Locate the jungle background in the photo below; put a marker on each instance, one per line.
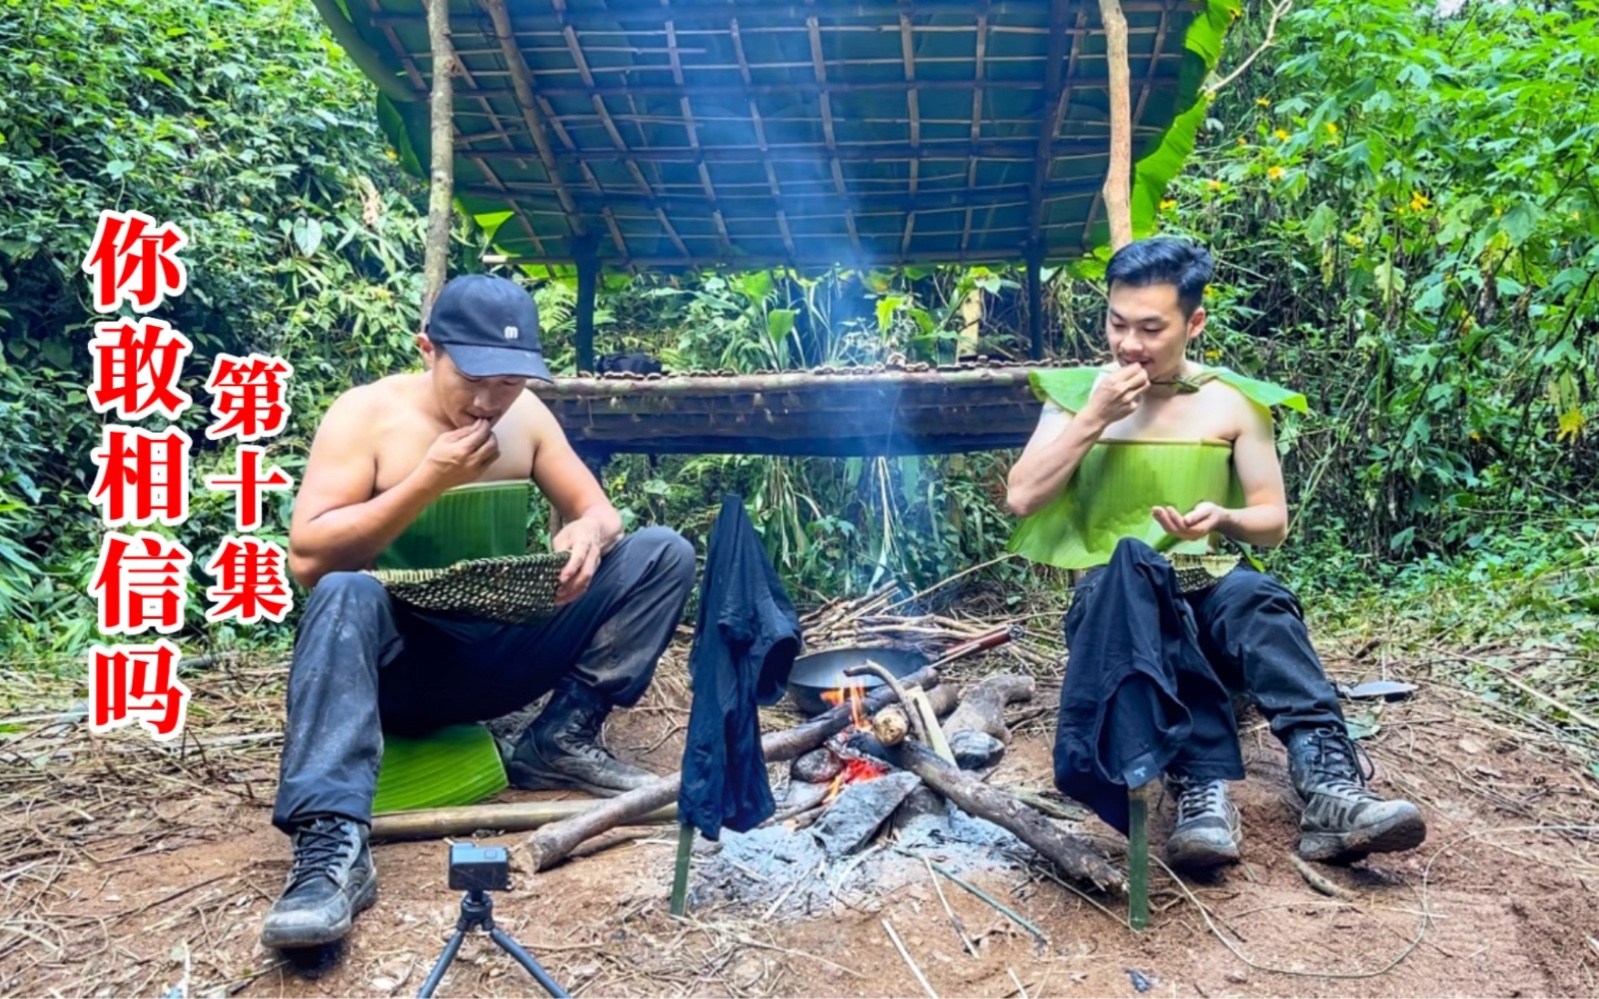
(1401, 199)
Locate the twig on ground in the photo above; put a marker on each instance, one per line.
(955, 921)
(1004, 910)
(900, 946)
(1319, 881)
(1020, 988)
(1204, 912)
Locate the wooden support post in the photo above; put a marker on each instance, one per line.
(1035, 300)
(1138, 799)
(685, 852)
(1119, 175)
(588, 279)
(441, 175)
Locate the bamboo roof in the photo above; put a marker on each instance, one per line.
(691, 133)
(826, 412)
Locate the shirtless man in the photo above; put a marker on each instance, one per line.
(385, 455)
(1248, 626)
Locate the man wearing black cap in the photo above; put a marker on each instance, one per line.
(422, 469)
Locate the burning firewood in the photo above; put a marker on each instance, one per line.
(556, 841)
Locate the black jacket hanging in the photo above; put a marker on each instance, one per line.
(1139, 696)
(745, 640)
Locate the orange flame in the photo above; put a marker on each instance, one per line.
(857, 704)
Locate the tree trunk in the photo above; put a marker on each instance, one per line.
(441, 177)
(1119, 175)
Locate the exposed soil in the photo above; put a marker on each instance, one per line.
(131, 870)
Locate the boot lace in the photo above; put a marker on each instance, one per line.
(319, 847)
(1197, 799)
(1341, 764)
(582, 736)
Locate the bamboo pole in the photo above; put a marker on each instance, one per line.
(436, 823)
(1138, 855)
(441, 174)
(1118, 177)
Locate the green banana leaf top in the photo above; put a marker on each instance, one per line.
(479, 520)
(1110, 494)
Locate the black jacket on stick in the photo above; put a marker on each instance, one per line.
(745, 641)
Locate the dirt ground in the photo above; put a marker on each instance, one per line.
(127, 869)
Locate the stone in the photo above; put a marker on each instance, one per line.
(816, 767)
(853, 818)
(976, 750)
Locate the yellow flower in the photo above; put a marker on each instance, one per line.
(1213, 185)
(1167, 205)
(1282, 136)
(1275, 173)
(1498, 212)
(1212, 355)
(1241, 141)
(1332, 129)
(1418, 201)
(1262, 102)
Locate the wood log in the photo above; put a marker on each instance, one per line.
(554, 842)
(982, 707)
(890, 725)
(436, 823)
(1072, 854)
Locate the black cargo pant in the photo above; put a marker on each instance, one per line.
(1251, 629)
(364, 664)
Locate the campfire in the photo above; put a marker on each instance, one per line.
(903, 765)
(853, 768)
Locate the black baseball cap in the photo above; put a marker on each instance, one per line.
(490, 328)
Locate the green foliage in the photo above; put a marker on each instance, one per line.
(1406, 216)
(238, 122)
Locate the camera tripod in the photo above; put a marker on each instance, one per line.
(477, 911)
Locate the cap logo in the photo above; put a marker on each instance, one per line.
(511, 332)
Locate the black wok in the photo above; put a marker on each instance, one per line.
(819, 672)
(815, 674)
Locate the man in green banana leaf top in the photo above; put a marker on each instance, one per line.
(422, 471)
(1156, 459)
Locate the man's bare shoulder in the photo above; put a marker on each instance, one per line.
(1240, 414)
(371, 401)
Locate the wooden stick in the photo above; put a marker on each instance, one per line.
(1071, 854)
(1320, 882)
(436, 823)
(900, 946)
(554, 842)
(685, 852)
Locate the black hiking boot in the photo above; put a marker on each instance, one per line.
(561, 750)
(1208, 832)
(1343, 820)
(331, 881)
